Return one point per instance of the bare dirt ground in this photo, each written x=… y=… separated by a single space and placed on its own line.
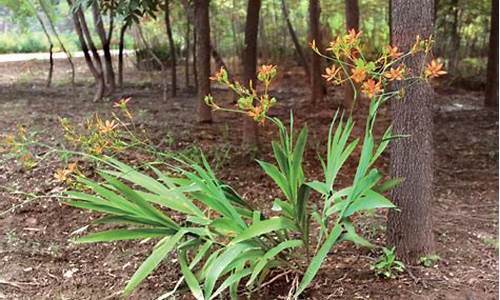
x=37 y=260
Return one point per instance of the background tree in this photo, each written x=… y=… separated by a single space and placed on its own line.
x=491 y=97
x=105 y=38
x=249 y=61
x=410 y=228
x=203 y=57
x=86 y=43
x=351 y=22
x=317 y=88
x=173 y=62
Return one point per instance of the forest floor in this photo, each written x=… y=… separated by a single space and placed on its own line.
x=37 y=260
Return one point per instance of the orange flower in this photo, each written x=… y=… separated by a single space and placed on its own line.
x=372 y=88
x=107 y=126
x=352 y=36
x=220 y=75
x=267 y=70
x=72 y=167
x=393 y=52
x=434 y=69
x=358 y=74
x=331 y=73
x=395 y=74
x=255 y=112
x=61 y=175
x=122 y=103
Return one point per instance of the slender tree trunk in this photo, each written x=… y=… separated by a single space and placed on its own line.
x=315 y=35
x=249 y=60
x=352 y=22
x=173 y=90
x=195 y=63
x=155 y=57
x=88 y=58
x=63 y=48
x=187 y=40
x=51 y=64
x=409 y=228
x=491 y=98
x=454 y=36
x=101 y=32
x=121 y=47
x=90 y=41
x=203 y=58
x=295 y=40
x=51 y=45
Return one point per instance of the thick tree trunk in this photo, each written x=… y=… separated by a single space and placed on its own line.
x=249 y=60
x=203 y=58
x=173 y=67
x=351 y=22
x=54 y=31
x=109 y=73
x=121 y=46
x=409 y=229
x=491 y=97
x=295 y=40
x=317 y=89
x=187 y=40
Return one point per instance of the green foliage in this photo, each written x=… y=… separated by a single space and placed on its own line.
x=387 y=265
x=429 y=260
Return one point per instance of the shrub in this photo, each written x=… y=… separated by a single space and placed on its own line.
x=219 y=238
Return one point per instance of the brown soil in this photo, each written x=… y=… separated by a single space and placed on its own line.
x=37 y=261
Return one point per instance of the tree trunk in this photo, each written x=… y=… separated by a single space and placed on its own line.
x=51 y=64
x=51 y=46
x=315 y=35
x=491 y=98
x=187 y=40
x=109 y=73
x=88 y=58
x=409 y=229
x=203 y=58
x=351 y=22
x=249 y=60
x=173 y=70
x=455 y=37
x=295 y=40
x=195 y=63
x=121 y=46
x=54 y=31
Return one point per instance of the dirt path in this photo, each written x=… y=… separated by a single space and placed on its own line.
x=38 y=262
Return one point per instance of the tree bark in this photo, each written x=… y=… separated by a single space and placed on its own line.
x=491 y=97
x=295 y=40
x=352 y=22
x=315 y=35
x=410 y=228
x=203 y=58
x=173 y=66
x=109 y=73
x=249 y=60
x=121 y=46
